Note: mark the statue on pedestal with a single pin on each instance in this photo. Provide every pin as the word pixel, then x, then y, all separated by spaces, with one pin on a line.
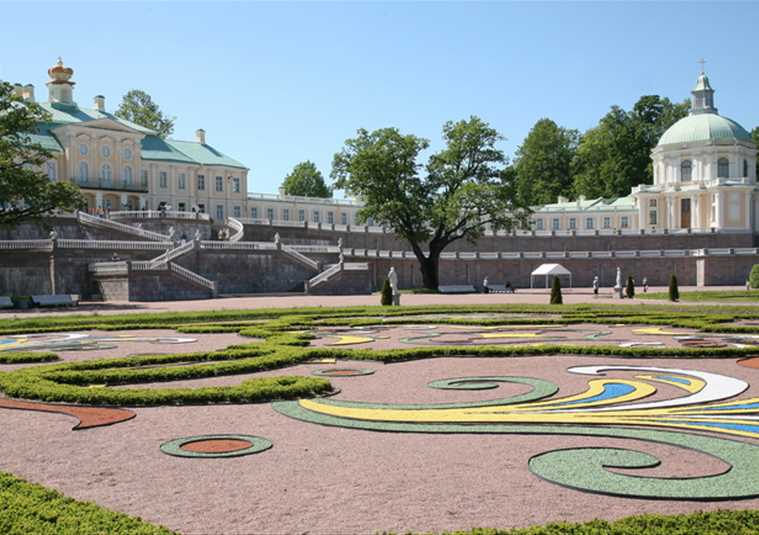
pixel 392 277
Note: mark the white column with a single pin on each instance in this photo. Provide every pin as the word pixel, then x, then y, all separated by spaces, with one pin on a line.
pixel 99 199
pixel 124 201
pixel 695 212
pixel 747 203
pixel 718 210
pixel 670 213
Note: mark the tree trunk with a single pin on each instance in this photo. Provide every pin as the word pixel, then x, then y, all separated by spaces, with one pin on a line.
pixel 430 270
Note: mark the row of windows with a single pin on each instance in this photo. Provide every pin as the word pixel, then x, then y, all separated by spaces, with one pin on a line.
pixel 163 182
pixel 723 169
pixel 590 223
pixel 106 173
pixel 271 214
pixel 105 151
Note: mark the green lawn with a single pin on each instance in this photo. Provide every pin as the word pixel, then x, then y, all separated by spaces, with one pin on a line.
pixel 714 296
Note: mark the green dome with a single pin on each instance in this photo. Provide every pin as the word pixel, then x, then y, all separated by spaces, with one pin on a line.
pixel 704 127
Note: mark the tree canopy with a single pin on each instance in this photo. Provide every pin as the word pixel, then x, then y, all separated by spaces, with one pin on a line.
pixel 543 163
pixel 307 181
pixel 614 156
pixel 26 192
pixel 137 106
pixel 461 190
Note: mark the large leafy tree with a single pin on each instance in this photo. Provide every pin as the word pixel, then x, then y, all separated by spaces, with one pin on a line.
pixel 137 106
pixel 26 192
pixel 306 180
pixel 543 163
pixel 459 192
pixel 616 155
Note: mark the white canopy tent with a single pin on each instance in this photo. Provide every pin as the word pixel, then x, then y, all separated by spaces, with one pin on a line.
pixel 550 270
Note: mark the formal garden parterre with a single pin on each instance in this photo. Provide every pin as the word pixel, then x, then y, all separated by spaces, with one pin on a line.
pixel 651 408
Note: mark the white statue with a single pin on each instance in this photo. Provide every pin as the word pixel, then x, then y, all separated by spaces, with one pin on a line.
pixel 485 288
pixel 618 283
pixel 277 240
pixel 340 243
pixel 392 277
pixel 197 234
pixel 595 285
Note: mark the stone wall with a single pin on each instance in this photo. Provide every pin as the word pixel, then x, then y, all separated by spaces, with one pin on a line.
pixel 25 273
pixel 348 282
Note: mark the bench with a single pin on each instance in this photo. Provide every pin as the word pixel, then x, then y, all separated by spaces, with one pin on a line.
pixel 6 302
pixel 64 300
pixel 499 289
pixel 457 289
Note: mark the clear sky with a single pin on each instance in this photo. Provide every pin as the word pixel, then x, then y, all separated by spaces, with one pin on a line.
pixel 277 83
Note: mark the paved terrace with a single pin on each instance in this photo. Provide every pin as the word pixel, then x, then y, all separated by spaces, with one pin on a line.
pixel 525 296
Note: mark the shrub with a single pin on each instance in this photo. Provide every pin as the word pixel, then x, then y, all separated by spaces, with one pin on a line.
pixel 753 277
pixel 674 293
pixel 556 292
pixel 387 294
pixel 630 290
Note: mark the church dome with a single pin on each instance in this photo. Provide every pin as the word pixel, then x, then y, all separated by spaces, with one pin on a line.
pixel 704 128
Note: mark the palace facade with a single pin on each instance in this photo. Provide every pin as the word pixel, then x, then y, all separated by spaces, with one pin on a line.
pixel 704 173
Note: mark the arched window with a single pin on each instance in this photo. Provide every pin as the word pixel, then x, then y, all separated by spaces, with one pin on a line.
pixel 106 173
pixel 686 171
pixel 84 171
pixel 128 175
pixel 745 168
pixel 723 168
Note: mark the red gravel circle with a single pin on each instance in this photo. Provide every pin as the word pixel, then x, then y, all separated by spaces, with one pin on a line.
pixel 216 445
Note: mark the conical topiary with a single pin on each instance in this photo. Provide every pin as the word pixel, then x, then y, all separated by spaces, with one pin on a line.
pixel 674 293
pixel 630 289
pixel 753 278
pixel 386 298
pixel 556 292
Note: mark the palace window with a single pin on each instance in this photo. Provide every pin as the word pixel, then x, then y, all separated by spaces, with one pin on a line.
pixel 83 150
pixel 144 177
pixel 236 184
pixel 745 168
pixel 52 170
pixel 572 223
pixel 236 211
pixel 301 215
pixel 556 223
pixel 127 153
pixel 270 214
pixel 316 218
pixel 589 223
pixel 624 222
pixel 652 212
pixel 106 173
pixel 182 181
pixel 181 206
pixel 84 171
pixel 734 209
pixel 539 224
pixel 686 171
pixel 127 175
pixel 343 218
pixel 219 212
pixel 254 213
pixel 105 150
pixel 331 218
pixel 723 168
pixel 219 183
pixel 285 214
pixel 201 183
pixel 202 208
pixel 607 222
pixel 163 179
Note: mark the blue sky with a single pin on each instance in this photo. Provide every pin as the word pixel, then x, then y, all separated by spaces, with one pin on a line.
pixel 277 83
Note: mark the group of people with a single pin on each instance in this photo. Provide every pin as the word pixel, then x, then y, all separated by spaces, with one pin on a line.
pixel 507 288
pixel 618 286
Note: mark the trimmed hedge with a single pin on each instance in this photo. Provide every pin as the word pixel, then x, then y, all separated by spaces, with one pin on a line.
pixel 26 357
pixel 701 523
pixel 28 508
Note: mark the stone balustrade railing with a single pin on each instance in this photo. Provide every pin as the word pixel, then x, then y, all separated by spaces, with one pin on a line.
pixel 171 254
pixel 237 227
pixel 158 214
pixel 15 245
pixel 114 244
pixel 103 223
pixel 193 277
pixel 239 246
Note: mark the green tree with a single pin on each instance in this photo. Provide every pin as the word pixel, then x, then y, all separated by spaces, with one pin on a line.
pixel 386 297
pixel 26 192
pixel 543 163
pixel 753 277
pixel 462 189
pixel 556 298
pixel 307 181
pixel 614 156
pixel 138 107
pixel 673 291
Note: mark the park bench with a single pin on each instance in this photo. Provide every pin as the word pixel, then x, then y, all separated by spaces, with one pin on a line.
pixel 55 300
pixel 6 302
pixel 457 289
